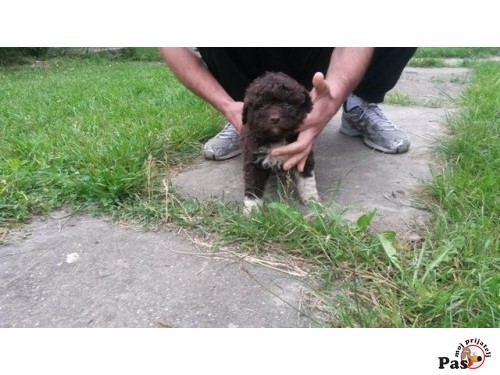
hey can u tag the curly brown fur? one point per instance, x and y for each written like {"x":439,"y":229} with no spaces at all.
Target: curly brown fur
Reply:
{"x":274,"y":106}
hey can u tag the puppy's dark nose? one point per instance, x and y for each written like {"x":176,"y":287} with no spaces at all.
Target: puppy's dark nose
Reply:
{"x":275,"y":119}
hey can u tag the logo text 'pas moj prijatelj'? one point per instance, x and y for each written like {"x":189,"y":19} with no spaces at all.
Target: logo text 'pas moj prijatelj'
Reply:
{"x":469,"y":356}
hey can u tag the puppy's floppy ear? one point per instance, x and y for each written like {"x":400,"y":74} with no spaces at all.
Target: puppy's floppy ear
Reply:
{"x":244,"y":117}
{"x":307,"y":104}
{"x":247,"y":114}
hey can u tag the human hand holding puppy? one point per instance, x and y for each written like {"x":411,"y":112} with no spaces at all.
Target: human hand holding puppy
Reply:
{"x":323,"y":110}
{"x":317,"y":119}
{"x":346,"y":69}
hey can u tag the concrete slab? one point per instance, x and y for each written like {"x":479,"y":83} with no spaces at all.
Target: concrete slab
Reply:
{"x":436,"y":87}
{"x":80,"y":271}
{"x":350,"y":175}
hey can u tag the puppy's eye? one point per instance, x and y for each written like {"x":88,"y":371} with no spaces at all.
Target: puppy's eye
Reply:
{"x":288,"y":105}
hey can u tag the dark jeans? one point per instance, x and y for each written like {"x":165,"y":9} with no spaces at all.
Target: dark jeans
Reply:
{"x":235,"y":68}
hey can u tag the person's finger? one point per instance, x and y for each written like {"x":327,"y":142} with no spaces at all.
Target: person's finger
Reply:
{"x":301,"y":164}
{"x":289,"y":149}
{"x":297,"y":152}
{"x":298,"y":160}
{"x":319,"y":83}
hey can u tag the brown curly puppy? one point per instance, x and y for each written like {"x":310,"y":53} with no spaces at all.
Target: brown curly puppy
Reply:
{"x":274,"y":106}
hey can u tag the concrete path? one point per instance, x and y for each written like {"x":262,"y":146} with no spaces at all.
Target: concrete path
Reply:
{"x":349,"y":174}
{"x":77,"y":271}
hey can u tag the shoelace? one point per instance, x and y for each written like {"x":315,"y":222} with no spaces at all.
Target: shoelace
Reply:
{"x":228,"y":132}
{"x":374,"y":113}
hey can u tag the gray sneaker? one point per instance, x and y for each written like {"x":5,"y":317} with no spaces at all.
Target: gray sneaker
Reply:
{"x":378,"y":132}
{"x":224,"y":145}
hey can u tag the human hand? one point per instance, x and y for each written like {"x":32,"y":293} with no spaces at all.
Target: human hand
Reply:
{"x":323,"y":110}
{"x":297,"y":151}
{"x":323,"y":104}
{"x":234,"y":113}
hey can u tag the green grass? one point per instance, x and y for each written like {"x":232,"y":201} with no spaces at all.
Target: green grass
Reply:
{"x":397,"y":98}
{"x":23,"y":55}
{"x":81,"y":132}
{"x":436,"y":57}
{"x":457,"y":52}
{"x":465,"y":236}
{"x":103,"y":134}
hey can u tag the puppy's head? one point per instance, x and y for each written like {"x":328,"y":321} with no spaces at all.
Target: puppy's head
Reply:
{"x":275,"y":105}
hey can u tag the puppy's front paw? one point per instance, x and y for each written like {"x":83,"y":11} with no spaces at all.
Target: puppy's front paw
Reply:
{"x":250,"y":203}
{"x":264,"y":159}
